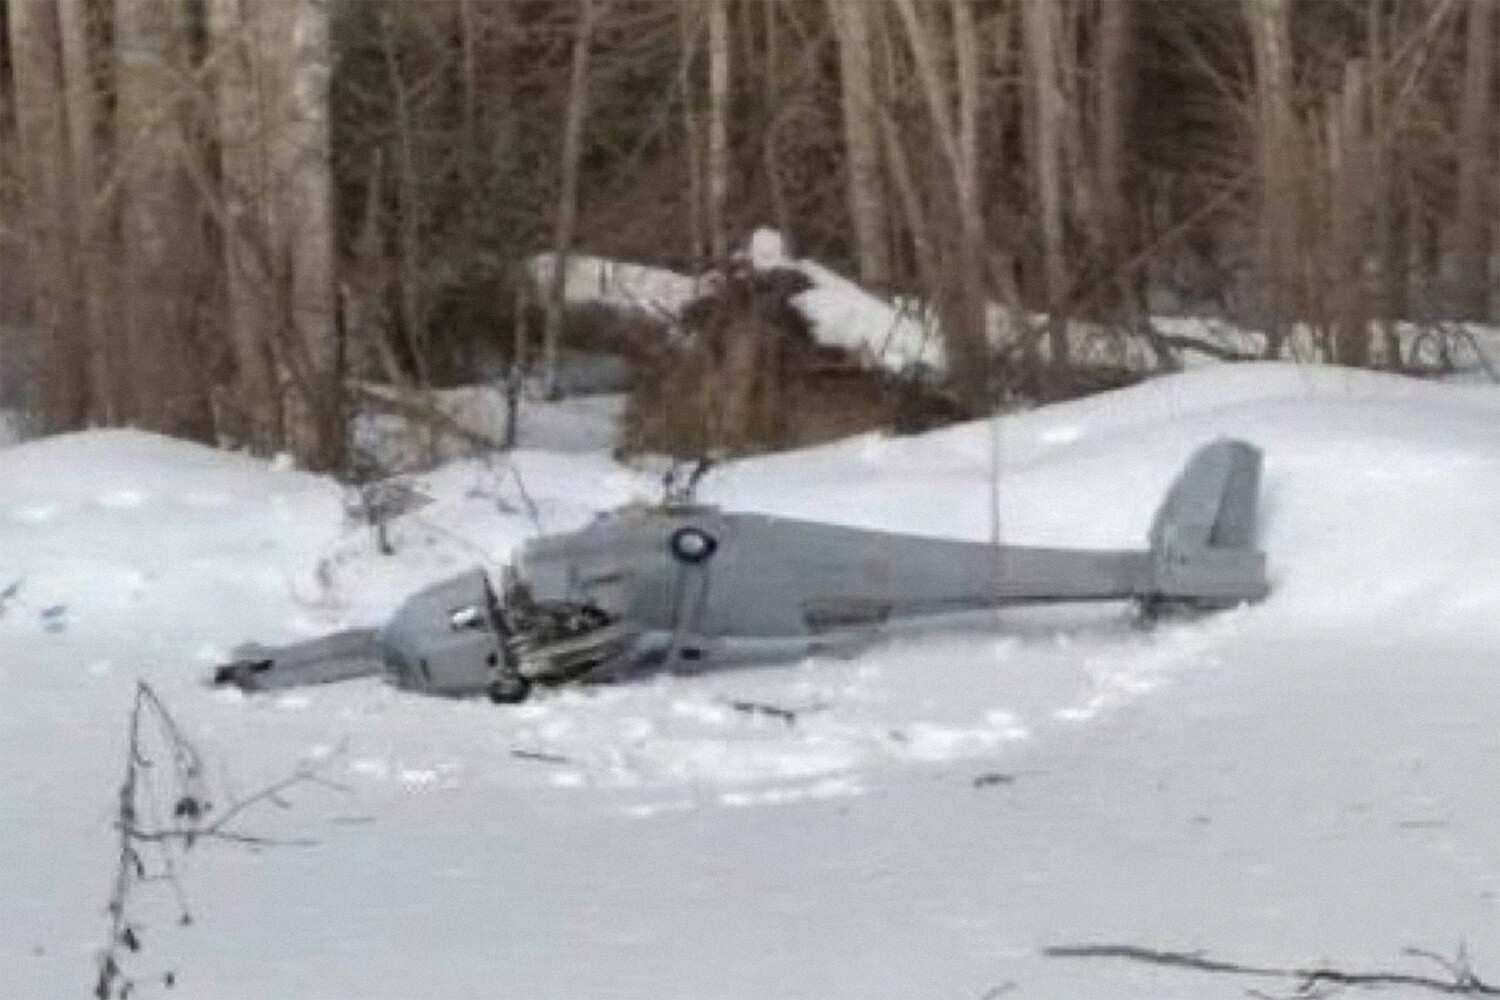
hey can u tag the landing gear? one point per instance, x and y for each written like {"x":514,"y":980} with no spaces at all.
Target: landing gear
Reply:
{"x":1153,"y":609}
{"x":508,"y":688}
{"x":1149,"y":610}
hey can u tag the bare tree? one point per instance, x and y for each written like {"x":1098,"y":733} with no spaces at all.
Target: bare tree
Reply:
{"x":1113,"y":85}
{"x":567,"y":204}
{"x":249,"y":247}
{"x":898,"y":163}
{"x":1349,"y":145}
{"x":952,"y":148}
{"x":319,"y":434}
{"x":1040,"y":28}
{"x":1387,"y":222}
{"x":86,"y":113}
{"x":272,"y":101}
{"x":861,"y":143}
{"x":1276,"y":158}
{"x":718,"y":125}
{"x":41,"y":124}
{"x":774,"y":88}
{"x":1478,"y":202}
{"x":410,"y":205}
{"x":688,"y":25}
{"x":965,"y":337}
{"x":974,"y":377}
{"x":160,"y":212}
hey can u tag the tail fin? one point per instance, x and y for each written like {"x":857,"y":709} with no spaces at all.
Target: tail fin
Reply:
{"x":1202,"y":539}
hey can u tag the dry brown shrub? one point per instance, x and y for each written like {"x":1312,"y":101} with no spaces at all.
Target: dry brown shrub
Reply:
{"x":749,"y":377}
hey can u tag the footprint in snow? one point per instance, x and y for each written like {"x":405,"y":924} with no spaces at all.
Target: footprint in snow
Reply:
{"x":121,"y":499}
{"x":646,"y":810}
{"x":709,"y":714}
{"x":826,"y":789}
{"x":211,"y":653}
{"x":1065,"y":434}
{"x":205,"y":499}
{"x":417,"y":777}
{"x":370,"y":767}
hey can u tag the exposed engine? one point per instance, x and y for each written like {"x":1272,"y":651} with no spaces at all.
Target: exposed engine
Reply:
{"x":553,"y":641}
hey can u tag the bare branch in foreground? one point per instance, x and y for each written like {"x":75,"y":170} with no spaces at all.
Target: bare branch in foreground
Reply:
{"x":164,"y":810}
{"x":1463,"y":980}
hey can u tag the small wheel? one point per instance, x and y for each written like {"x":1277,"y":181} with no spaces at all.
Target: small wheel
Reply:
{"x":508,"y":688}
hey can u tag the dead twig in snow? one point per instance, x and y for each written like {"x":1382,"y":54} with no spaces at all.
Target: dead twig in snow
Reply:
{"x":164,"y":773}
{"x":786,"y":715}
{"x":9,"y":593}
{"x":1311,"y":981}
{"x":538,"y":755}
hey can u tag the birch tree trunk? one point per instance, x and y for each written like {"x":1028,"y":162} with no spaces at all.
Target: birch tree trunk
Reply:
{"x":1039,"y":24}
{"x":964,"y":336}
{"x":1351,"y":226}
{"x":867,"y":207}
{"x":91,"y":224}
{"x":1478,"y":201}
{"x":273,"y":91}
{"x":249,"y":238}
{"x":971,"y":213}
{"x":306,"y":162}
{"x":1390,"y":249}
{"x":771,"y":94}
{"x":901,"y":174}
{"x":688,"y":28}
{"x":57,"y":354}
{"x":567,"y":206}
{"x":1270,"y":35}
{"x":718,"y":125}
{"x":409,"y":208}
{"x":168,"y":392}
{"x":471,"y":158}
{"x":1116,"y":103}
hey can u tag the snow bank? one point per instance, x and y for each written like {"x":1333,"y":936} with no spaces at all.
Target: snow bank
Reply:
{"x":654,"y":291}
{"x":840,"y":312}
{"x":115,"y":525}
{"x":901,"y":334}
{"x":1312,"y":776}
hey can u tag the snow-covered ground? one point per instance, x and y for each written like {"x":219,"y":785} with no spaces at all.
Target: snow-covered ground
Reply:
{"x":1312,"y":780}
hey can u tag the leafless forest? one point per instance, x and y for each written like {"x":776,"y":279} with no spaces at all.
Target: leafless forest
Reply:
{"x":218,"y":215}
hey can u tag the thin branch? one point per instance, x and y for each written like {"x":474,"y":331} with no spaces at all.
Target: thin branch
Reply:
{"x":303,"y":775}
{"x":1463,"y":982}
{"x":187,"y":836}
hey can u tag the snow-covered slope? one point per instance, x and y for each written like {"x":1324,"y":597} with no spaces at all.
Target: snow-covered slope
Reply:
{"x":1311,"y":779}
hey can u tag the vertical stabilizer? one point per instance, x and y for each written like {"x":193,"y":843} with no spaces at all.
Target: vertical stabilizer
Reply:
{"x":1212,"y":502}
{"x":1202,"y":540}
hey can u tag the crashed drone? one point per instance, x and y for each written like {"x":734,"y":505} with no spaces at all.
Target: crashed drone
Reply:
{"x":688,"y":586}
